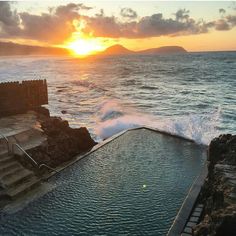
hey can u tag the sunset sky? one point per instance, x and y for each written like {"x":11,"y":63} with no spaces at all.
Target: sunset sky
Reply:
{"x":93,"y":25}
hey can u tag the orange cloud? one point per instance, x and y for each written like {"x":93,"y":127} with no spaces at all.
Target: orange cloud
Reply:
{"x":57,"y":25}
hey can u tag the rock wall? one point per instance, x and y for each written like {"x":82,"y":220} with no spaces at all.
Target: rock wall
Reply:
{"x":219,"y":191}
{"x":63,"y":142}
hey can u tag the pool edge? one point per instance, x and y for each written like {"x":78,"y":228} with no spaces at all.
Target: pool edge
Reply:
{"x":185,"y":210}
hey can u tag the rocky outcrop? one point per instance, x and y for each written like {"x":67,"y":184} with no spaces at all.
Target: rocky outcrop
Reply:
{"x":219,"y":191}
{"x":63,"y":142}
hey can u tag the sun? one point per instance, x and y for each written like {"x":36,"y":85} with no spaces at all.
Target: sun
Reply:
{"x":83,"y":44}
{"x":84,"y":47}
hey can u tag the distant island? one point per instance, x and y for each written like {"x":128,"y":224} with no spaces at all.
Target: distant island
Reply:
{"x":120,"y":50}
{"x":13,"y":49}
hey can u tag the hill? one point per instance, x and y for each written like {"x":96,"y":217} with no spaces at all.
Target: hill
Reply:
{"x":9,"y":49}
{"x":166,"y":49}
{"x":121,"y":50}
{"x":116,"y":50}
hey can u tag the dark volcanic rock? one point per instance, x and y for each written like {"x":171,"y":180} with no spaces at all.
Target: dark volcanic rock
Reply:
{"x":63,"y":142}
{"x":219,"y":191}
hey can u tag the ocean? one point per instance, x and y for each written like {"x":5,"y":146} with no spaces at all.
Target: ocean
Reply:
{"x":192,"y":95}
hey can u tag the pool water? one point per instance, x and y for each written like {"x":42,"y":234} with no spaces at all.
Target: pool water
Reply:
{"x":133,"y":185}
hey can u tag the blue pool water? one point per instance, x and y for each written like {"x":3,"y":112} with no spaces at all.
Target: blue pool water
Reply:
{"x":133,"y":185}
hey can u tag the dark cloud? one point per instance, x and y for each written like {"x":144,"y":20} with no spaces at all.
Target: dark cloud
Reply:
{"x":157,"y":25}
{"x":9,"y":20}
{"x":56,"y":25}
{"x":101,"y":13}
{"x":70,"y":10}
{"x":222,"y":25}
{"x":128,"y":13}
{"x":103,"y":26}
{"x":231,"y":20}
{"x":222,"y":11}
{"x":182,"y":14}
{"x":46,"y":27}
{"x":148,"y":26}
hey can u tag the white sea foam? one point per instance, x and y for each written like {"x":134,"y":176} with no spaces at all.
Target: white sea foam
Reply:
{"x":113,"y":118}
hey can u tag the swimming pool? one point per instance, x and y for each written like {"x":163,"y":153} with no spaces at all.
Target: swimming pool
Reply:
{"x":133,"y":185}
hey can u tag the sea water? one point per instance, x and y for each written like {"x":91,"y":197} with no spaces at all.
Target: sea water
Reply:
{"x":192,"y":95}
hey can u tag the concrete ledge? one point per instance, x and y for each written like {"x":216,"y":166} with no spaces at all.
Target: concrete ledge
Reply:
{"x":184,"y":213}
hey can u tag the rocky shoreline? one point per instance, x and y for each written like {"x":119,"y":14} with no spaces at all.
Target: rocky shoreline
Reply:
{"x":62,"y":143}
{"x":219,"y":190}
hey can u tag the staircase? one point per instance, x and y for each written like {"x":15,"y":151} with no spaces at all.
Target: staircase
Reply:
{"x":15,"y":180}
{"x":18,"y":134}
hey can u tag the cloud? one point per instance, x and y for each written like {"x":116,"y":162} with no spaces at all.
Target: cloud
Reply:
{"x":9,"y":20}
{"x":156,"y":25}
{"x":56,"y":25}
{"x":70,"y":10}
{"x":182,"y":14}
{"x":231,"y":20}
{"x":148,"y":26}
{"x":222,"y":11}
{"x":128,"y":13}
{"x":222,"y":25}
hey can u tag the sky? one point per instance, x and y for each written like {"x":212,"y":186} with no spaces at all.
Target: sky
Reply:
{"x":88,"y":26}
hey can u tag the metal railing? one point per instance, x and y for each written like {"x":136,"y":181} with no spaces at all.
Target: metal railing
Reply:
{"x":21,"y":149}
{"x":7,"y":142}
{"x":26,"y":154}
{"x":50,"y":168}
{"x":31,"y":159}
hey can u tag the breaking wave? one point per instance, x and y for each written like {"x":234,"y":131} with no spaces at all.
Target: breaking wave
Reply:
{"x":113,"y":118}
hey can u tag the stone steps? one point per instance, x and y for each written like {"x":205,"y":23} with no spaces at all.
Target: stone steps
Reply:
{"x":10,"y":172}
{"x":15,"y":180}
{"x":5,"y":167}
{"x":21,"y":189}
{"x":6,"y":159}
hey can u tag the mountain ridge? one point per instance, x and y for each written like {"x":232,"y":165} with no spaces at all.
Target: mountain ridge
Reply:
{"x":13,"y":49}
{"x":118,"y":49}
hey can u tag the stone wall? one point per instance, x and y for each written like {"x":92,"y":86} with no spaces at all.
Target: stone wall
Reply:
{"x":19,"y":97}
